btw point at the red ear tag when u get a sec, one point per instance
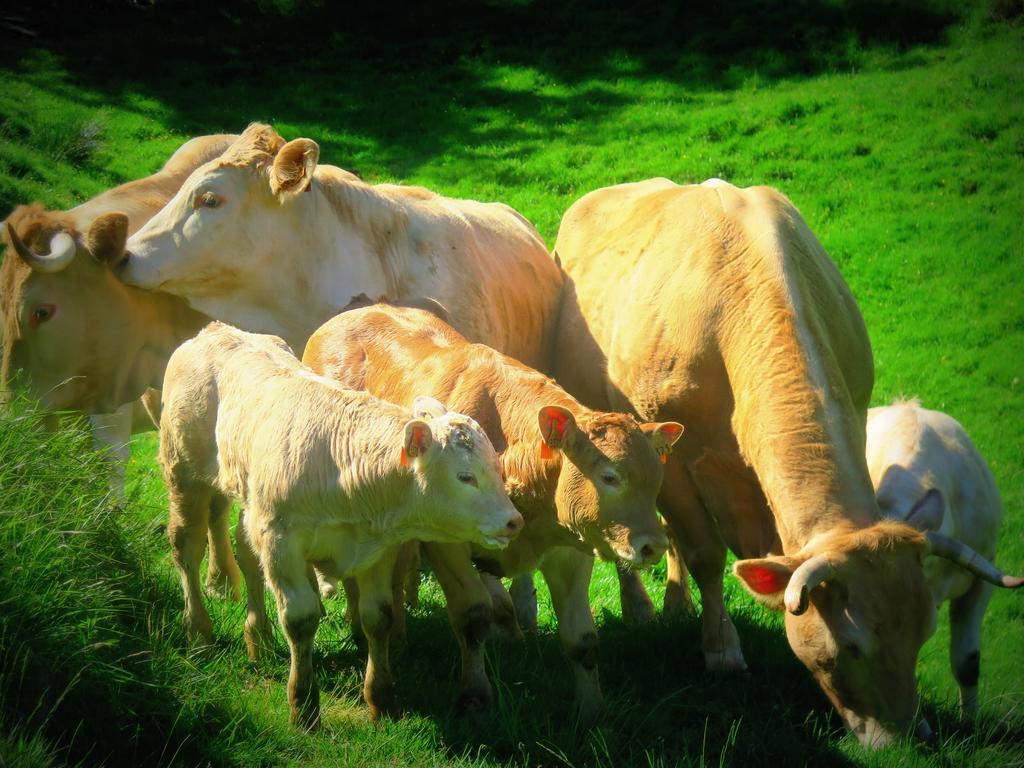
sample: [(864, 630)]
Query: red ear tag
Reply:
[(545, 451), (403, 460), (664, 458)]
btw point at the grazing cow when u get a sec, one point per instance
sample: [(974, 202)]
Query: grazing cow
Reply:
[(266, 239), (717, 307), (927, 472), (329, 477), (596, 490)]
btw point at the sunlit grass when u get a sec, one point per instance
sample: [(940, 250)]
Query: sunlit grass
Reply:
[(906, 159)]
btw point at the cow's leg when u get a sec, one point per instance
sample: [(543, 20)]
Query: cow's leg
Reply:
[(259, 635), (298, 609), (524, 598), (186, 528), (326, 585), (503, 612), (678, 601), (377, 615), (965, 615), (412, 576), (355, 623), (637, 607), (113, 432), (567, 573), (406, 562), (469, 612), (222, 575), (698, 540)]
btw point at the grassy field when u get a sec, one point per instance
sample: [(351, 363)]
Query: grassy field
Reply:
[(897, 129)]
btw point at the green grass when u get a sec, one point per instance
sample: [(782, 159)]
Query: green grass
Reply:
[(896, 128)]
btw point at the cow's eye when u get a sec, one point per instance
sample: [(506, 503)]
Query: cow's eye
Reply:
[(41, 314), (610, 479), (468, 478), (207, 200)]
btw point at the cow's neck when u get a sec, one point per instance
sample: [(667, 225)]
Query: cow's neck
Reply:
[(793, 418), (360, 244), (163, 323)]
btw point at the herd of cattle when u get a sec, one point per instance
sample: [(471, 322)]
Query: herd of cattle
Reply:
[(706, 361)]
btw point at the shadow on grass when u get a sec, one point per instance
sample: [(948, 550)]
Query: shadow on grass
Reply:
[(405, 86), (662, 708)]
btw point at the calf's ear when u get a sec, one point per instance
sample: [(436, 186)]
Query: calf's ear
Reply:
[(418, 439), (927, 513), (663, 435), (424, 407), (766, 578), (107, 236), (557, 425), (292, 172)]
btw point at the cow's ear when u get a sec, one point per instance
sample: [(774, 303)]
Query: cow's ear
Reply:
[(424, 407), (107, 236), (766, 578), (663, 435), (927, 513), (418, 439), (557, 426), (292, 172)]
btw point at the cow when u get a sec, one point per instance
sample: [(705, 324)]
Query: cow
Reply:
[(329, 478), (267, 239), (927, 472), (82, 340), (717, 307), (585, 481)]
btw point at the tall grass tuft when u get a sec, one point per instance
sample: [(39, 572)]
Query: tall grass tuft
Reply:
[(89, 670)]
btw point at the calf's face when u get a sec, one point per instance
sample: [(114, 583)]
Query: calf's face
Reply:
[(609, 481), (460, 477)]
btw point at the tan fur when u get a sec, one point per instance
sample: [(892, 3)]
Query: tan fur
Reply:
[(338, 237), (318, 470), (108, 342), (396, 352), (716, 306)]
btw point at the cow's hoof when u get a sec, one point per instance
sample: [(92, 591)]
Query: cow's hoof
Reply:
[(636, 613), (588, 713), (223, 586), (724, 662), (472, 700)]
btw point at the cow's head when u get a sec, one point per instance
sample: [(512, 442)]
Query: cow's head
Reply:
[(458, 472), (66, 317), (609, 481), (211, 238), (858, 609)]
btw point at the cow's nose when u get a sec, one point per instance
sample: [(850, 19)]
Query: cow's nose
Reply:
[(648, 549), (515, 524)]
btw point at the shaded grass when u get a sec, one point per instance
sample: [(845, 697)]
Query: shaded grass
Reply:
[(901, 142)]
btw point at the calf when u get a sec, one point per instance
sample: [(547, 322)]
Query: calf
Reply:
[(329, 477), (927, 472), (586, 482)]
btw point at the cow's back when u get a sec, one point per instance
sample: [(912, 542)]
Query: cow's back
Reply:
[(142, 198), (484, 262), (670, 290)]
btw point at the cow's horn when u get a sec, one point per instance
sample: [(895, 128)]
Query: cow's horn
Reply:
[(62, 251), (805, 578), (964, 556)]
